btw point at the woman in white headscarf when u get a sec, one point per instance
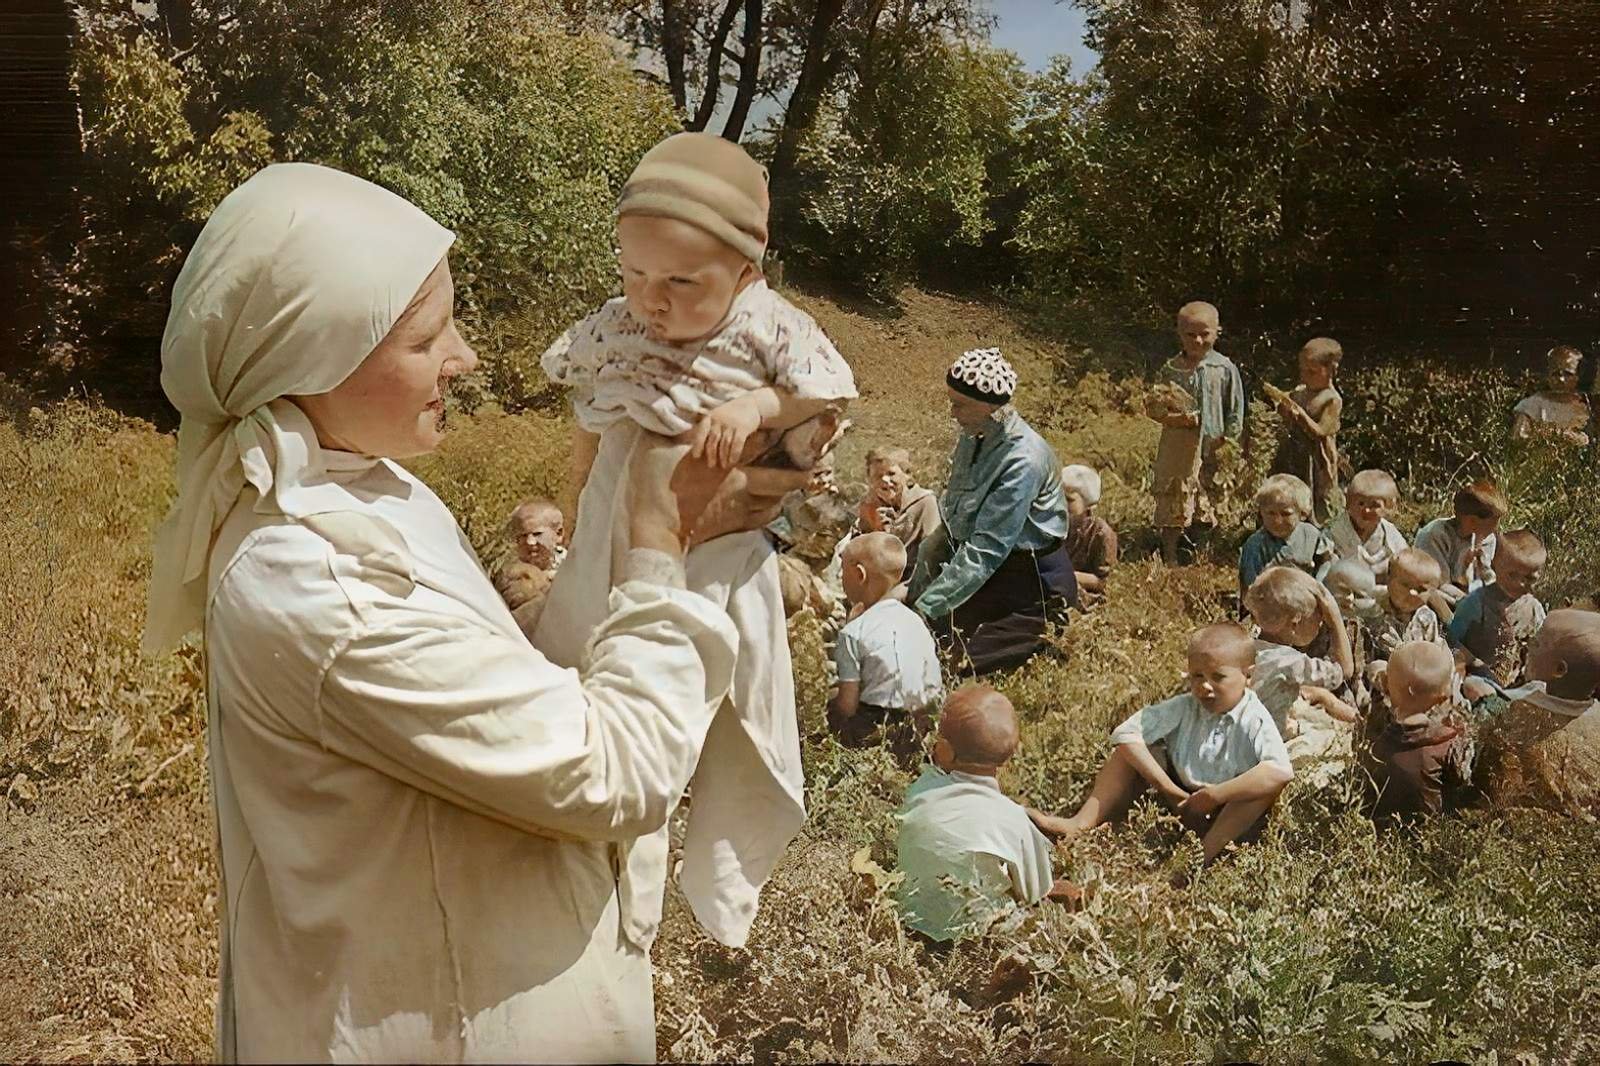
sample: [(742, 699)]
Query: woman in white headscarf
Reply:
[(419, 817)]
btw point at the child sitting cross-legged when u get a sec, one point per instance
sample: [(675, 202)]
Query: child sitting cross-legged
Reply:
[(1495, 623), (1421, 746), (1285, 537), (1292, 611), (1464, 543), (968, 852), (887, 663), (1364, 531), (1091, 542), (1212, 754)]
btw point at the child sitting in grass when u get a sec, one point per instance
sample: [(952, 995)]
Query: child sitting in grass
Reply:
[(534, 532), (1355, 590), (1420, 746), (1194, 430), (1544, 750), (1403, 613), (1091, 542), (896, 504), (1364, 531), (1560, 413), (1212, 754), (887, 664), (1464, 544), (1285, 537), (969, 854), (1310, 412), (1495, 623), (1292, 611)]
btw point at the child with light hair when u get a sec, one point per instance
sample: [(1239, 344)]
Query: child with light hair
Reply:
[(1404, 615), (1544, 750), (1355, 590), (970, 856), (896, 504), (1464, 544), (1311, 411), (1422, 747), (699, 348), (1091, 542), (886, 663), (1495, 623), (1291, 611), (1364, 530), (1560, 412), (1201, 407), (1285, 537), (534, 535), (1212, 754)]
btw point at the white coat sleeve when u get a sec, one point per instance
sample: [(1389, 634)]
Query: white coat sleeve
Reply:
[(483, 720)]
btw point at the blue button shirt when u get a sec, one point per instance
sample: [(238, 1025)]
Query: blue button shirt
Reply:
[(1004, 494)]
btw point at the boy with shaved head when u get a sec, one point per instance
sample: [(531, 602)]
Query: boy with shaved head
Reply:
[(1544, 750), (886, 661), (1213, 754), (1203, 407), (1423, 745), (969, 853)]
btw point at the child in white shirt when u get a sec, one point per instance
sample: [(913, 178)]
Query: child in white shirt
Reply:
[(1364, 531), (886, 660), (698, 347)]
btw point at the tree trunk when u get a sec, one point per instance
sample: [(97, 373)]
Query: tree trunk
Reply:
[(749, 70), (719, 45), (816, 70), (674, 43)]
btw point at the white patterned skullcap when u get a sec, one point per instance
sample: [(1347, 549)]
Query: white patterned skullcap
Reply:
[(983, 374)]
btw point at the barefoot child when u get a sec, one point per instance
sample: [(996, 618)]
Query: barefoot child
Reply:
[(1212, 754), (1419, 749), (700, 348), (1309, 449), (1364, 531), (969, 854), (887, 664), (1091, 542), (1464, 544), (1285, 537), (1193, 432)]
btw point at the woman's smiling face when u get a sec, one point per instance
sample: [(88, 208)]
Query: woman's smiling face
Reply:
[(393, 403)]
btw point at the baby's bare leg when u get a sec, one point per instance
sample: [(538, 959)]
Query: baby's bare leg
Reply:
[(1233, 821)]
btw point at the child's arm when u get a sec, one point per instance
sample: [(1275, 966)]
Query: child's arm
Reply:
[(1342, 655), (1329, 702), (721, 433), (1262, 781), (846, 700), (1154, 774)]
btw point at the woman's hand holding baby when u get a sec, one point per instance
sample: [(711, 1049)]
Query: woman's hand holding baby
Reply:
[(721, 434)]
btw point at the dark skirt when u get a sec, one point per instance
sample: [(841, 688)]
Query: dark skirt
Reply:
[(1002, 626)]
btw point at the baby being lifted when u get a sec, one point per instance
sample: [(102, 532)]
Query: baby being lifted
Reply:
[(698, 347)]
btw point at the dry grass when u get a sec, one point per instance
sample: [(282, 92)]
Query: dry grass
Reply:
[(1473, 939)]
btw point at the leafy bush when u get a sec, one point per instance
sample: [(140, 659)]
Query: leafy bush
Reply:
[(494, 119)]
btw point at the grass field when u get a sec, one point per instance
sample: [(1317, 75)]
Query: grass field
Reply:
[(1477, 938)]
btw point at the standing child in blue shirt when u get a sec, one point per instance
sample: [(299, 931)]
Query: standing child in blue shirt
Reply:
[(1194, 431)]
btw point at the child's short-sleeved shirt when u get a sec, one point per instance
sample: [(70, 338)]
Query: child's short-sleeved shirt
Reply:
[(1377, 550), (889, 651), (1554, 412), (1306, 547), (618, 372), (1497, 629), (1443, 540), (1205, 748), (1281, 670)]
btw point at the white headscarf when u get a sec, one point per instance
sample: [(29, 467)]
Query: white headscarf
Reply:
[(297, 276)]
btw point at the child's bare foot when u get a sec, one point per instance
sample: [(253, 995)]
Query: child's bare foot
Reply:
[(1053, 826)]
